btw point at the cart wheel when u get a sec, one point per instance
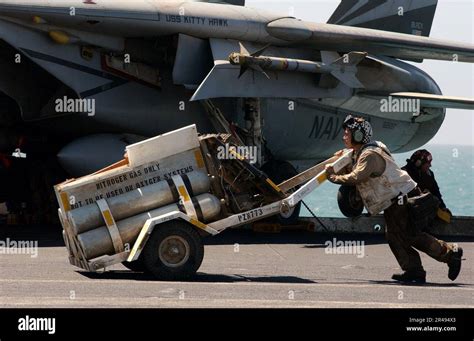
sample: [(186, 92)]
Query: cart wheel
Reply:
[(349, 201), (137, 265), (174, 251), (279, 171)]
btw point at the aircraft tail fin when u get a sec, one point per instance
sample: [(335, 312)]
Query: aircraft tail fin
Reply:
[(402, 16)]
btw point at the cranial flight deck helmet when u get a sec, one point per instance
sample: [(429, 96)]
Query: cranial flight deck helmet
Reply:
[(361, 129), (420, 157)]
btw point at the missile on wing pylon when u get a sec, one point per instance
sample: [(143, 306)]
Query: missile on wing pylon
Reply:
[(343, 68)]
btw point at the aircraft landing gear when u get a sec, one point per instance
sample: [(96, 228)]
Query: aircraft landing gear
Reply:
[(277, 170), (254, 126), (349, 201)]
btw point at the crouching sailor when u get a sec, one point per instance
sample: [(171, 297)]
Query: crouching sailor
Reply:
[(383, 186)]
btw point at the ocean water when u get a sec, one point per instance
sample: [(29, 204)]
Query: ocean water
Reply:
[(453, 167)]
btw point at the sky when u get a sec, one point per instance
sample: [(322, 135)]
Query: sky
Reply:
[(454, 20)]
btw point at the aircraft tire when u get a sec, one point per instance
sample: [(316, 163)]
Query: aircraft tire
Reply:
[(349, 202)]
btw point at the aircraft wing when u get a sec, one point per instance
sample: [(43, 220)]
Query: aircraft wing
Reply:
[(210, 20), (346, 38), (49, 34)]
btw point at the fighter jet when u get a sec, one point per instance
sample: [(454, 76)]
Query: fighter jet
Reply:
[(97, 74)]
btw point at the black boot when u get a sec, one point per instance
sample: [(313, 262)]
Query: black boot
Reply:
[(411, 277), (454, 264)]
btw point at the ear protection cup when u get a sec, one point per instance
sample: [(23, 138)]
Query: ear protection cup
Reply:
[(420, 157), (361, 131), (358, 135)]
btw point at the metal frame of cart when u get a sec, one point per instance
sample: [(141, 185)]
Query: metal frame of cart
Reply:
[(310, 180)]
